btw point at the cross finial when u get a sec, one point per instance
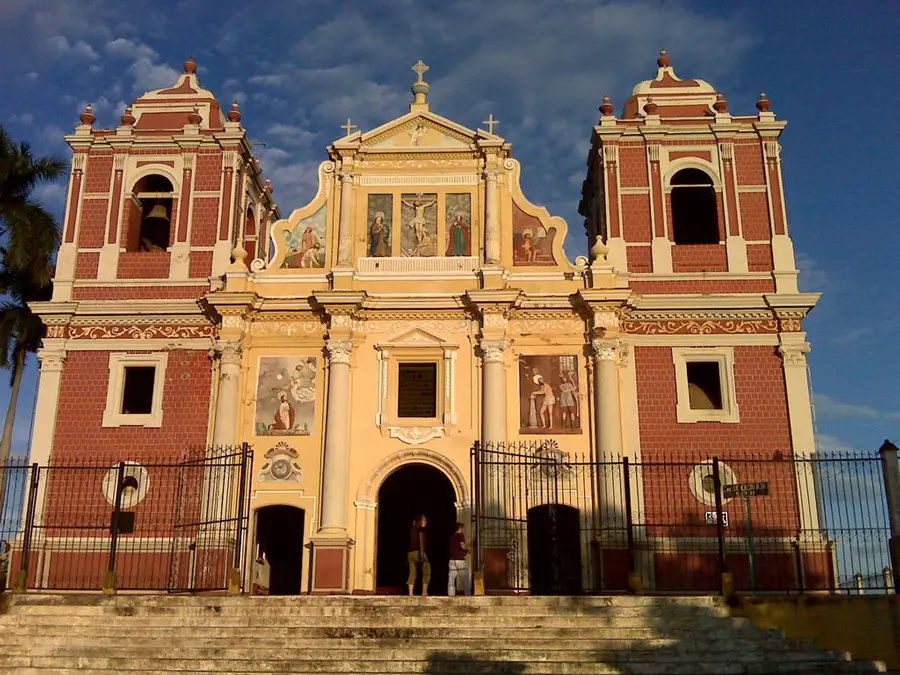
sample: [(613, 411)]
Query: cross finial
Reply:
[(349, 126), (491, 123), (420, 69)]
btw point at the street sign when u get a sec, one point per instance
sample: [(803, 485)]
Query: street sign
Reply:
[(760, 489), (711, 518)]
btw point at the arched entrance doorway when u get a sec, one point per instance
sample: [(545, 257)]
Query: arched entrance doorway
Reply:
[(279, 535), (411, 490)]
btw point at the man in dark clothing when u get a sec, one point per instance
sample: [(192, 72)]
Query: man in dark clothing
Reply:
[(416, 556), (459, 568)]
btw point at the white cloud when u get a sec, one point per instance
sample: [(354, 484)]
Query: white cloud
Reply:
[(60, 45), (130, 49), (240, 97), (291, 135), (149, 75), (827, 406), (273, 80), (32, 76), (812, 277), (23, 118), (51, 195)]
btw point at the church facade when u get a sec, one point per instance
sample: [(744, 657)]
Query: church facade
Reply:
[(417, 305)]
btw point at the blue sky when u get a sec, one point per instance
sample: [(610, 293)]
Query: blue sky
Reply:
[(300, 68)]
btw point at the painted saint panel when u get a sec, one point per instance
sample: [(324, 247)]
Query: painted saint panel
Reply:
[(532, 242), (380, 219), (306, 243), (286, 396), (549, 400), (418, 217), (459, 224)]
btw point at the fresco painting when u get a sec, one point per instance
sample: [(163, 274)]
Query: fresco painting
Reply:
[(549, 400), (459, 224), (532, 242), (306, 243), (380, 217), (286, 396), (419, 225)]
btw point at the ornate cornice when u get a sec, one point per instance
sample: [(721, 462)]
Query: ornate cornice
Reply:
[(678, 326), (133, 331)]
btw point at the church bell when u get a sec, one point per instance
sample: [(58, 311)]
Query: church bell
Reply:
[(158, 212)]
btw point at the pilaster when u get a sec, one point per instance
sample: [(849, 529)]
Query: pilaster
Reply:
[(345, 236)]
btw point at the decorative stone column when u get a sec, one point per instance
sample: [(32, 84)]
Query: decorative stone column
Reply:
[(345, 238), (607, 413), (491, 218), (793, 350), (493, 388), (228, 400), (331, 545)]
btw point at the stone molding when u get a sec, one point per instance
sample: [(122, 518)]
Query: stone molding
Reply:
[(339, 351), (676, 326), (368, 489), (134, 332), (493, 351), (605, 349)]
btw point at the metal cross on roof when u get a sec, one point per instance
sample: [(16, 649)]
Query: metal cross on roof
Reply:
[(491, 122), (349, 126), (420, 69)]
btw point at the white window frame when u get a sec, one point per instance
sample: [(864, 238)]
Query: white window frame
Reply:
[(724, 356), (118, 361)]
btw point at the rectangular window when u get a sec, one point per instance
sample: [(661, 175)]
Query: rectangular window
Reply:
[(137, 391), (704, 385), (417, 390)]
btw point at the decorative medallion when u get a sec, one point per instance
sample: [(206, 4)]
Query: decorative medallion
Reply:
[(416, 435), (281, 465)]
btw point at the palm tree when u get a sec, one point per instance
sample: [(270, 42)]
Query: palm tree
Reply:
[(29, 237)]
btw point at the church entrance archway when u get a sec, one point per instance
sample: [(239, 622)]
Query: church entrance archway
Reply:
[(410, 490), (279, 535)]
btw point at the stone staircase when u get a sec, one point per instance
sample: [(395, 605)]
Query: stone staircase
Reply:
[(82, 634)]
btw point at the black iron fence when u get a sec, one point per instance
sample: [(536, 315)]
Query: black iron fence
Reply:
[(553, 522), (149, 525)]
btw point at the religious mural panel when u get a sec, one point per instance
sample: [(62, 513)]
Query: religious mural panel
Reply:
[(306, 243), (532, 243), (286, 396), (418, 219), (549, 401), (380, 217), (459, 224)]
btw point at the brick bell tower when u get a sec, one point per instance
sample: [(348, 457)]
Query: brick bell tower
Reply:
[(155, 209)]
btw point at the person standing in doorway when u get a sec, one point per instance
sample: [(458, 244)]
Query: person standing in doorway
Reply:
[(418, 539), (459, 567)]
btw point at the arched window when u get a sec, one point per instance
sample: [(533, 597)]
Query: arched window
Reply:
[(250, 237), (695, 218), (150, 216)]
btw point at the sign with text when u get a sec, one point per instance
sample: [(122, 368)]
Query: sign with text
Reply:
[(760, 489), (711, 518)]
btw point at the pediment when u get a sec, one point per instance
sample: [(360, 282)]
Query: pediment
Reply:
[(417, 337), (424, 131)]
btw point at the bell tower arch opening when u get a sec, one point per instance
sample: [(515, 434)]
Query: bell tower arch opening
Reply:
[(411, 490)]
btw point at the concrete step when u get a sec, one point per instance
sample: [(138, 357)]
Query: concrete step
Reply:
[(445, 662)]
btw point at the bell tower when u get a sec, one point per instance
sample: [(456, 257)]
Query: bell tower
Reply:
[(157, 204)]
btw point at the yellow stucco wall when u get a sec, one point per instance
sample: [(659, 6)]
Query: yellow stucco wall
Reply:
[(867, 627)]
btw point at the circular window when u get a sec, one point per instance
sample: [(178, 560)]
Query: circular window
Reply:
[(703, 483), (135, 482)]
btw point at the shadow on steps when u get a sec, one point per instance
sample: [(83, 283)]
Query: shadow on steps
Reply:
[(445, 662)]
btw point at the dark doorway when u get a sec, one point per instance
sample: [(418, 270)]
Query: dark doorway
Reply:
[(279, 534), (411, 490), (554, 550)]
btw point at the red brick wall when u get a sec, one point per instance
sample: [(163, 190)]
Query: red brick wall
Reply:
[(205, 221), (144, 265), (200, 264), (138, 292), (759, 258), (636, 218), (208, 171), (82, 400), (94, 214), (755, 216), (633, 165), (639, 259), (749, 164), (698, 286), (699, 258), (98, 173), (86, 265)]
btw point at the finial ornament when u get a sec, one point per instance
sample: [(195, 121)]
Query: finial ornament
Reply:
[(599, 250), (235, 113), (190, 66), (721, 105), (763, 104), (606, 108), (420, 69), (87, 117), (491, 123), (664, 60), (195, 117), (127, 117), (349, 127), (650, 107)]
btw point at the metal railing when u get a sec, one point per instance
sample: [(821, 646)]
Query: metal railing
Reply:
[(175, 525), (553, 522)]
